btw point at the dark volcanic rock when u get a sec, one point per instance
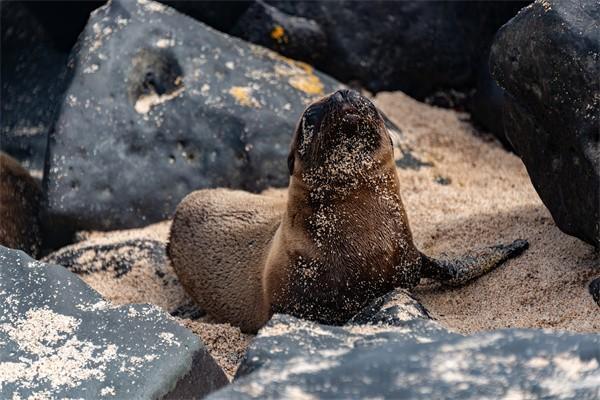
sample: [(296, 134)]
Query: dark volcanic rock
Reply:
[(159, 105), (415, 46), (487, 103), (413, 357), (221, 15), (295, 37), (20, 197), (32, 69), (547, 59), (53, 16), (60, 339)]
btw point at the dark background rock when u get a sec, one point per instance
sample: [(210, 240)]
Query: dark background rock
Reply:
[(487, 102), (295, 37), (32, 69), (403, 354), (20, 197), (221, 15), (413, 46), (59, 337), (547, 60)]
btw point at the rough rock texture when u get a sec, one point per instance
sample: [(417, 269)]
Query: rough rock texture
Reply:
[(413, 357), (413, 46), (60, 339), (131, 267), (20, 197), (547, 58), (138, 266), (158, 105), (295, 37), (32, 69)]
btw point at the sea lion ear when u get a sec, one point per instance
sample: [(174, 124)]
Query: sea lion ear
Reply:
[(291, 159)]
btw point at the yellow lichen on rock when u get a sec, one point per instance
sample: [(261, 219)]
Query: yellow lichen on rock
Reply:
[(243, 95), (278, 34), (301, 76)]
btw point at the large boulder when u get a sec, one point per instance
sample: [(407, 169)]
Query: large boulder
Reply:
[(20, 197), (547, 59), (414, 46), (403, 354), (60, 339), (159, 105)]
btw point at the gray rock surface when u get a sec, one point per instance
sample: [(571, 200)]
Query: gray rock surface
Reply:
[(403, 354), (60, 339), (159, 105), (547, 59)]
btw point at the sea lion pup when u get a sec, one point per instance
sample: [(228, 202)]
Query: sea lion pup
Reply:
[(341, 239)]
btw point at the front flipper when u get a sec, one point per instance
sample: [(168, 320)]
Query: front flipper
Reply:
[(459, 271), (595, 290)]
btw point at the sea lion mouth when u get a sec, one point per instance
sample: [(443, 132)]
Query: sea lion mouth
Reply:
[(342, 127)]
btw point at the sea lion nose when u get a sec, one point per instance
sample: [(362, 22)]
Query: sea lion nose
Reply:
[(344, 96)]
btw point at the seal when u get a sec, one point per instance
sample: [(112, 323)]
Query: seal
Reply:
[(340, 240)]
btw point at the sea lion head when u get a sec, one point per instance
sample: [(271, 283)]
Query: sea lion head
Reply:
[(339, 140)]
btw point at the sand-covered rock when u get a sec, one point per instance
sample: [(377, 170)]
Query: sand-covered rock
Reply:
[(547, 59), (60, 339), (415, 358), (131, 267), (158, 105), (20, 197)]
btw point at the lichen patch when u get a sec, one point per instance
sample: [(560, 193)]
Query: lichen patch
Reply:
[(243, 96)]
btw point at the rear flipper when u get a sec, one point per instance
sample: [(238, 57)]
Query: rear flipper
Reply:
[(595, 290), (459, 271)]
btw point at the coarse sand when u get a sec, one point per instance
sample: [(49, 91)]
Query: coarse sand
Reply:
[(474, 194), (489, 200)]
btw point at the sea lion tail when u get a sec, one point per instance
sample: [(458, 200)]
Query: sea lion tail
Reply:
[(458, 271)]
